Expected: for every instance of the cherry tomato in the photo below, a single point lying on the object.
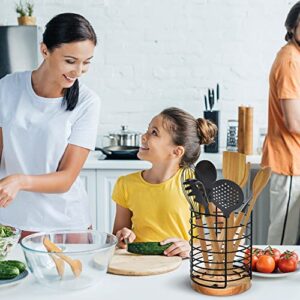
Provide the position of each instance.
(265, 264)
(275, 253)
(255, 255)
(287, 262)
(292, 253)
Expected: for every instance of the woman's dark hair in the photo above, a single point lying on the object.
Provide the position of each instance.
(188, 132)
(68, 28)
(292, 21)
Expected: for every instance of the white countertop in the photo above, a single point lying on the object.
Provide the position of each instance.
(174, 286)
(96, 161)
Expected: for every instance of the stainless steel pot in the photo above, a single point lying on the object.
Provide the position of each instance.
(124, 138)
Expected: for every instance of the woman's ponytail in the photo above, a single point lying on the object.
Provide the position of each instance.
(71, 96)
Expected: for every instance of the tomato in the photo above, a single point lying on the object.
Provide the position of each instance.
(255, 255)
(292, 253)
(265, 264)
(275, 253)
(287, 262)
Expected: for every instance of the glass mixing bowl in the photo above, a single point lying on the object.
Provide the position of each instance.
(81, 259)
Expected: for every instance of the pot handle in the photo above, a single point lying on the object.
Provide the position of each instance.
(104, 151)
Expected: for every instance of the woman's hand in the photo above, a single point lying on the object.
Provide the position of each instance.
(9, 187)
(179, 247)
(124, 234)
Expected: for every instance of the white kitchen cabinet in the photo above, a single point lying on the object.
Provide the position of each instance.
(88, 178)
(99, 184)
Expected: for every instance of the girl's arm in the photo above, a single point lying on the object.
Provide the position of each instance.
(122, 226)
(56, 182)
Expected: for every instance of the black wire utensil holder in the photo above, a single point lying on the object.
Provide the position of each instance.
(221, 244)
(221, 271)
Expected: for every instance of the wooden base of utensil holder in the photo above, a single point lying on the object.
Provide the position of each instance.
(235, 285)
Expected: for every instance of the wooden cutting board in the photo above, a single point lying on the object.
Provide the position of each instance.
(125, 263)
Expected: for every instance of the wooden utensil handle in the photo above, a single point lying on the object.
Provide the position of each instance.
(76, 265)
(203, 242)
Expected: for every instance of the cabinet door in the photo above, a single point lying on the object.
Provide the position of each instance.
(88, 178)
(106, 207)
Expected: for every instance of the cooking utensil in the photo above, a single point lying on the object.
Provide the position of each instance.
(124, 137)
(120, 152)
(205, 102)
(260, 181)
(241, 213)
(227, 196)
(187, 175)
(238, 219)
(187, 179)
(197, 189)
(59, 264)
(247, 172)
(218, 92)
(206, 173)
(210, 100)
(75, 264)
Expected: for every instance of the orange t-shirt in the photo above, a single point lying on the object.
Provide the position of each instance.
(281, 150)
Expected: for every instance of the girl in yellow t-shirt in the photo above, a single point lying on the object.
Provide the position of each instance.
(150, 204)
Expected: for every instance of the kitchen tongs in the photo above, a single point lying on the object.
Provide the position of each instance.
(75, 264)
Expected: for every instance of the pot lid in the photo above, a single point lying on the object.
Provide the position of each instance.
(124, 132)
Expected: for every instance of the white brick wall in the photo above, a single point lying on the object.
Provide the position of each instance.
(158, 53)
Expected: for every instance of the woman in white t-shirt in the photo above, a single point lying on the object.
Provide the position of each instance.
(48, 125)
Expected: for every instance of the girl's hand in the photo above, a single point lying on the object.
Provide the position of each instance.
(9, 187)
(123, 234)
(180, 247)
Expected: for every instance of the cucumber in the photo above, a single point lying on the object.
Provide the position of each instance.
(147, 248)
(8, 272)
(15, 263)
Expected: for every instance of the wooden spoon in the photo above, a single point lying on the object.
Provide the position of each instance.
(260, 181)
(75, 264)
(59, 264)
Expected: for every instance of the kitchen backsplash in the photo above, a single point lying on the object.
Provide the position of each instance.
(155, 54)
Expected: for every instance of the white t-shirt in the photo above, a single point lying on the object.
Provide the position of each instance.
(36, 132)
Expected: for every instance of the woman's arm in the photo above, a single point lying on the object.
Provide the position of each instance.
(60, 181)
(56, 182)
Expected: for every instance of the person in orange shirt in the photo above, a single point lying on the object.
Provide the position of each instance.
(281, 150)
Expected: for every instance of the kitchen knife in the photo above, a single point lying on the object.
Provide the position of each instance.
(218, 92)
(205, 101)
(209, 99)
(213, 98)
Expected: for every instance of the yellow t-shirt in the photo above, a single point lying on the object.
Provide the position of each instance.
(159, 211)
(281, 149)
